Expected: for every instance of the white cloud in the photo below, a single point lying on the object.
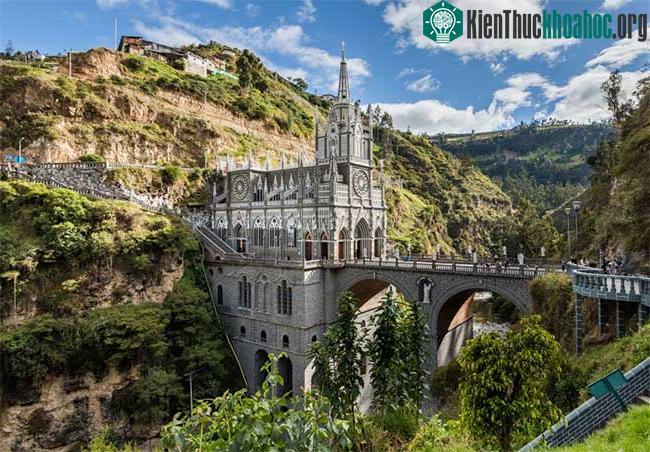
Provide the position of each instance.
(622, 52)
(405, 20)
(373, 2)
(252, 10)
(408, 71)
(167, 34)
(433, 116)
(497, 67)
(225, 4)
(579, 100)
(424, 84)
(306, 12)
(106, 4)
(613, 4)
(320, 66)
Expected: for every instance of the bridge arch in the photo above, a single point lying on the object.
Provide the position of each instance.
(375, 280)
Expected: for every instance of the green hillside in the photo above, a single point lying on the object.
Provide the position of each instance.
(544, 162)
(104, 311)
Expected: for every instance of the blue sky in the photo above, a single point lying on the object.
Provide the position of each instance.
(465, 85)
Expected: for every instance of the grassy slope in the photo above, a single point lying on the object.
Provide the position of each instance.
(624, 353)
(546, 164)
(443, 200)
(629, 432)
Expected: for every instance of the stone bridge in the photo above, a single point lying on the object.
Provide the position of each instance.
(247, 290)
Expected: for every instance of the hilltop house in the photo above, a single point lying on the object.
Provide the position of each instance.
(192, 63)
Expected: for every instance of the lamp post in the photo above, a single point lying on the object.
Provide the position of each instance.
(576, 209)
(567, 210)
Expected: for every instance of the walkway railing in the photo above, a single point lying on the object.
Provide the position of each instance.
(447, 266)
(596, 284)
(453, 266)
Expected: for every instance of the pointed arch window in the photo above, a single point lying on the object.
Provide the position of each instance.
(222, 228)
(291, 233)
(263, 336)
(258, 232)
(284, 298)
(274, 233)
(258, 194)
(245, 293)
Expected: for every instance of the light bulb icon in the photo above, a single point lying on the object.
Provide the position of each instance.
(443, 22)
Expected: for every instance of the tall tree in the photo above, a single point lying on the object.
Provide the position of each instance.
(504, 383)
(414, 330)
(338, 359)
(386, 372)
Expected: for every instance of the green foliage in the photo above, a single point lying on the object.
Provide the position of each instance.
(441, 201)
(552, 296)
(180, 335)
(615, 215)
(543, 162)
(439, 436)
(624, 353)
(383, 351)
(628, 432)
(504, 384)
(259, 422)
(337, 361)
(151, 398)
(171, 174)
(414, 329)
(91, 158)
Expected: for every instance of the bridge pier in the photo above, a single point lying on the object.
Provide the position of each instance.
(602, 316)
(620, 319)
(644, 313)
(579, 324)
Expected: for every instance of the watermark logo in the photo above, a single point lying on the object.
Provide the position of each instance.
(443, 22)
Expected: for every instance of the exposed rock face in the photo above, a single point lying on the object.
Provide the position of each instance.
(70, 412)
(101, 111)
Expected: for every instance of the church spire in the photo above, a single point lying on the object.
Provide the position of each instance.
(344, 86)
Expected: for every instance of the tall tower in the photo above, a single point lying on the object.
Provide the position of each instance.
(346, 138)
(344, 84)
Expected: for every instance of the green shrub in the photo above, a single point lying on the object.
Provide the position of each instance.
(92, 158)
(439, 436)
(171, 174)
(133, 63)
(553, 300)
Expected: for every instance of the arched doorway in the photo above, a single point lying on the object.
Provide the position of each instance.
(285, 370)
(324, 246)
(240, 239)
(379, 243)
(309, 247)
(361, 239)
(343, 243)
(261, 358)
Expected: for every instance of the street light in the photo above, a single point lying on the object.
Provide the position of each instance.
(576, 209)
(567, 210)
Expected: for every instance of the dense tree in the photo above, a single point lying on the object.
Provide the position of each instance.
(387, 368)
(259, 422)
(338, 360)
(414, 330)
(504, 384)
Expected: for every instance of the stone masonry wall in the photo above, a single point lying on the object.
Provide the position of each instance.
(595, 413)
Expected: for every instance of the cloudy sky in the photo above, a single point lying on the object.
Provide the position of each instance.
(463, 86)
